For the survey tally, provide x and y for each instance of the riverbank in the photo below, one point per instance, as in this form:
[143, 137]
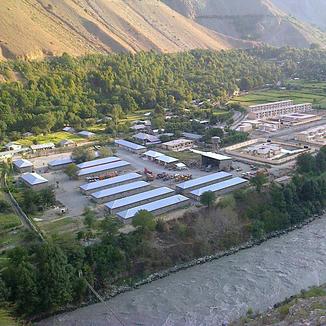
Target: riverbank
[218, 259]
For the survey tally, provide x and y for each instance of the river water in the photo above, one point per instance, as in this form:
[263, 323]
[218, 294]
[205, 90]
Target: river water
[218, 291]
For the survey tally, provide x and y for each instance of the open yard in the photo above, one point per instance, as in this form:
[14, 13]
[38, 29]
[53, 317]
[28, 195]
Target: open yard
[314, 92]
[54, 137]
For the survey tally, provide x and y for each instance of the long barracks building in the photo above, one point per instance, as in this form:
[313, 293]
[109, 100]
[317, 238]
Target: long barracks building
[275, 109]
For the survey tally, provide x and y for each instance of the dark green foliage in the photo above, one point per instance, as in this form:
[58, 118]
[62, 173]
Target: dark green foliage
[208, 198]
[145, 220]
[75, 91]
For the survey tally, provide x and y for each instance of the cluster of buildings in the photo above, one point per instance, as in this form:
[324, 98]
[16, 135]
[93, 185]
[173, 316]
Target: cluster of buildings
[315, 135]
[276, 109]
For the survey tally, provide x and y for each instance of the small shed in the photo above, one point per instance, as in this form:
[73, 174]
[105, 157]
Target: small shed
[86, 134]
[22, 165]
[34, 181]
[12, 146]
[66, 143]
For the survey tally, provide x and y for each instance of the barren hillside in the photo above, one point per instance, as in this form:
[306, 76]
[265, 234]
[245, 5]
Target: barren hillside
[37, 28]
[258, 20]
[310, 11]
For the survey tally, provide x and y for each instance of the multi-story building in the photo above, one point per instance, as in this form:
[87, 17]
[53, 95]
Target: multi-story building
[178, 145]
[276, 109]
[313, 135]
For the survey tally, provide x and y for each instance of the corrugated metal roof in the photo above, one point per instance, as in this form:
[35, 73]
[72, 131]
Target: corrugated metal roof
[138, 197]
[22, 163]
[153, 154]
[128, 144]
[202, 180]
[100, 161]
[61, 161]
[153, 206]
[120, 189]
[33, 178]
[212, 155]
[167, 159]
[220, 186]
[110, 181]
[86, 133]
[103, 167]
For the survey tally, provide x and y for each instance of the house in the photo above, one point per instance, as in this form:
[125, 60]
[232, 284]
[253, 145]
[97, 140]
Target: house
[178, 145]
[27, 134]
[146, 139]
[12, 146]
[66, 143]
[69, 129]
[192, 136]
[42, 147]
[86, 134]
[34, 181]
[22, 165]
[138, 127]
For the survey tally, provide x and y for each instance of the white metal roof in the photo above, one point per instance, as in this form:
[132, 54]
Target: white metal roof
[153, 154]
[167, 159]
[42, 146]
[202, 180]
[128, 144]
[138, 197]
[220, 186]
[22, 163]
[103, 167]
[100, 161]
[153, 206]
[33, 178]
[212, 155]
[120, 189]
[110, 181]
[86, 133]
[61, 161]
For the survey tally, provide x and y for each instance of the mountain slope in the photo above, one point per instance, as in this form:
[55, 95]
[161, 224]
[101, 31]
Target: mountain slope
[37, 28]
[259, 20]
[310, 11]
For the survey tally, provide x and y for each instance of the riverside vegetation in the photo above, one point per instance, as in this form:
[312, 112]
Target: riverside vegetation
[42, 278]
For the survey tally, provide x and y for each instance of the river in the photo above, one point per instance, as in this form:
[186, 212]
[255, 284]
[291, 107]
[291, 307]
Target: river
[218, 291]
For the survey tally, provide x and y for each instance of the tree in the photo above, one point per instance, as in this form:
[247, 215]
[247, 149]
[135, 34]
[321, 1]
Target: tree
[82, 154]
[145, 220]
[54, 277]
[258, 181]
[89, 218]
[208, 198]
[71, 171]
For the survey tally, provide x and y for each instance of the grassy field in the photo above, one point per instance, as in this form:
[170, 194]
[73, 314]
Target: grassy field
[314, 92]
[54, 137]
[5, 319]
[8, 221]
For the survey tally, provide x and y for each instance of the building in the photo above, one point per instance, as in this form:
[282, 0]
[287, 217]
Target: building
[146, 139]
[220, 188]
[118, 192]
[12, 146]
[192, 136]
[86, 134]
[90, 187]
[178, 145]
[142, 198]
[66, 143]
[166, 160]
[60, 163]
[158, 207]
[42, 147]
[265, 150]
[316, 135]
[100, 161]
[22, 165]
[152, 155]
[34, 181]
[130, 146]
[215, 161]
[245, 127]
[140, 127]
[206, 180]
[69, 129]
[104, 169]
[296, 119]
[276, 109]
